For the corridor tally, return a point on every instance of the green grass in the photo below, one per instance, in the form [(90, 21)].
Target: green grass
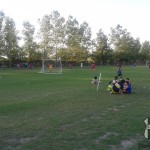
[(65, 112)]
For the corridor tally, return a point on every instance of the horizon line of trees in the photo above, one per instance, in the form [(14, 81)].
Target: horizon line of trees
[(66, 38)]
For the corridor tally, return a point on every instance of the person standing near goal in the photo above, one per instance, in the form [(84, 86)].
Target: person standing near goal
[(50, 66)]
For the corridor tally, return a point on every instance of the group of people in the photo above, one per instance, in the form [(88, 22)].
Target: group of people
[(117, 85)]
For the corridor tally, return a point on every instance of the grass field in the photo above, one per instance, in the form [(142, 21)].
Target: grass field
[(65, 112)]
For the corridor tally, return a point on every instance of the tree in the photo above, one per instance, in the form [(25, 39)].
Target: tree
[(78, 39), (73, 55), (57, 31), (126, 48), (44, 33), (85, 36), (2, 16), (72, 33), (64, 54), (11, 39), (120, 38), (134, 50), (145, 50), (102, 47), (29, 45), (51, 33)]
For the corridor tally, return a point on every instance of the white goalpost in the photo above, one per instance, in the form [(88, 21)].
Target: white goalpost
[(147, 63), (51, 66)]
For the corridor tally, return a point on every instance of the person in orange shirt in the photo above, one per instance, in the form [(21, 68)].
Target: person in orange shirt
[(50, 66)]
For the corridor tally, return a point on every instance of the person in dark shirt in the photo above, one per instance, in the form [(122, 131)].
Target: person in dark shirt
[(127, 87), (119, 72), (118, 87)]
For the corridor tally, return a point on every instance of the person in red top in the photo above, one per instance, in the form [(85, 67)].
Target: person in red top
[(93, 66)]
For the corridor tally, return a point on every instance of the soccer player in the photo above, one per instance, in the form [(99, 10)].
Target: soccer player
[(119, 72), (93, 66)]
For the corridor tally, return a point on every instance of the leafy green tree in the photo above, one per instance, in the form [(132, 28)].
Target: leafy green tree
[(72, 33), (120, 38), (65, 54), (75, 55), (52, 33), (134, 50), (43, 35), (29, 46), (57, 32), (78, 39), (145, 49), (2, 16), (78, 55), (11, 39), (85, 36), (102, 47), (126, 48)]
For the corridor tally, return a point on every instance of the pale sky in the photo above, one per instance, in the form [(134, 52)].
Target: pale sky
[(132, 15)]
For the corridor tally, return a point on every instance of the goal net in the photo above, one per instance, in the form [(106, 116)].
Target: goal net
[(147, 63), (51, 66)]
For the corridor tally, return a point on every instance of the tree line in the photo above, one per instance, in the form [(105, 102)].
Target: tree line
[(66, 38)]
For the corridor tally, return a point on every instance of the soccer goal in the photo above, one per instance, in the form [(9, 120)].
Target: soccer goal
[(147, 63), (51, 66)]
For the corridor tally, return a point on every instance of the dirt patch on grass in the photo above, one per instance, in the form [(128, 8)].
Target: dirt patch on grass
[(124, 145), (15, 141), (105, 136), (63, 128), (104, 113), (27, 139), (114, 109), (127, 144), (122, 106)]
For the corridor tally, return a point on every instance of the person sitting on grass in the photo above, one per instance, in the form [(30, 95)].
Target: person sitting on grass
[(95, 81), (118, 87), (115, 80), (109, 88), (127, 79), (127, 88)]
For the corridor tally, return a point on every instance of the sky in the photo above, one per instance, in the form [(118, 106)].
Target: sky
[(132, 15)]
